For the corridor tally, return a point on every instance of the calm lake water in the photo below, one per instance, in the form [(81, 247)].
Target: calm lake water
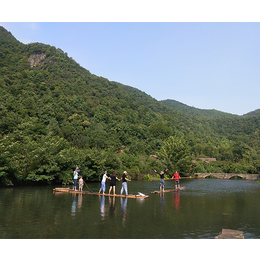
[(199, 212)]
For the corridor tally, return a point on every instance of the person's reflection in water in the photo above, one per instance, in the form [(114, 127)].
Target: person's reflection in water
[(112, 206), (162, 201), (79, 201), (102, 207), (177, 200), (123, 209), (74, 204)]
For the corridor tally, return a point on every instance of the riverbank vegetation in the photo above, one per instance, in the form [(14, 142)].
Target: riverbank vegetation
[(56, 115)]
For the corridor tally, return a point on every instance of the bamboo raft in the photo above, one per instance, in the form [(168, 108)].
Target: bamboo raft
[(170, 190), (68, 190)]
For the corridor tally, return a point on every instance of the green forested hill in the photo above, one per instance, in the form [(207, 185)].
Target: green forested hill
[(254, 113), (207, 113), (56, 115)]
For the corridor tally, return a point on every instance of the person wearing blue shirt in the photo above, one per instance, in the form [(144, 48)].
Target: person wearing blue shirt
[(75, 177)]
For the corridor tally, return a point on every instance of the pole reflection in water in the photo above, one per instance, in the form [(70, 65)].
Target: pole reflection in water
[(123, 209)]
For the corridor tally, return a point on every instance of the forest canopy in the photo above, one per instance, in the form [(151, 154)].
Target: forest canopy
[(55, 115)]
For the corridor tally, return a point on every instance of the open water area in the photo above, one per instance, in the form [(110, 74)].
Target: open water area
[(199, 212)]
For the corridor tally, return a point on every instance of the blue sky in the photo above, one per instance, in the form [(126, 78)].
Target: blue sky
[(202, 64)]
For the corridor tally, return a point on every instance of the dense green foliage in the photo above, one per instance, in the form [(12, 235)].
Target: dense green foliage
[(56, 115), (254, 113), (208, 113)]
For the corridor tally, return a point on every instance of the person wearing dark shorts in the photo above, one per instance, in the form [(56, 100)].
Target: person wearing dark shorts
[(162, 182), (113, 183), (176, 177)]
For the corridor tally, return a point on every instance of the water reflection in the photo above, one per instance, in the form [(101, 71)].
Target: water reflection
[(140, 201), (102, 207), (123, 209), (76, 204), (177, 200), (162, 201), (79, 201), (112, 207), (201, 211)]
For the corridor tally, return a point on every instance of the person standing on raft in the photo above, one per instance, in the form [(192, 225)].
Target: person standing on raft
[(75, 178), (162, 182), (80, 183), (103, 182), (113, 183), (124, 183), (176, 177)]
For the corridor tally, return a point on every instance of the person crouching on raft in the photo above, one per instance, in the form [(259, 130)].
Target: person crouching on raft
[(176, 177), (103, 182), (124, 183), (113, 183), (75, 178)]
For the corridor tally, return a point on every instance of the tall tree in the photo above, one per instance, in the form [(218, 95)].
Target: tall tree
[(176, 154)]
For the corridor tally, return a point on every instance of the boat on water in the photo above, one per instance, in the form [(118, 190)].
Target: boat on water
[(169, 190), (68, 190)]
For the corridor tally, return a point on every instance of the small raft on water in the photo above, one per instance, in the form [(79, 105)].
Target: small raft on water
[(181, 188), (68, 190)]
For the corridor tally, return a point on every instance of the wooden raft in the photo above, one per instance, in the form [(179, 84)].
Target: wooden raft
[(68, 190), (157, 192), (230, 234)]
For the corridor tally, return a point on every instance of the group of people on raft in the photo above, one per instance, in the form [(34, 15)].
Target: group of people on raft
[(113, 180)]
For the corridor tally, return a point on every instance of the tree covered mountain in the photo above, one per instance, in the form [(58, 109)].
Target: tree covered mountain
[(253, 113), (207, 113), (56, 115)]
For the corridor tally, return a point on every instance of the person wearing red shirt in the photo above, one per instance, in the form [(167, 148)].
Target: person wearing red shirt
[(176, 177)]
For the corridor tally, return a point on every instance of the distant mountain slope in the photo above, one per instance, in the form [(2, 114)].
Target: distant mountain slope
[(40, 84), (55, 114), (208, 113), (253, 113)]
